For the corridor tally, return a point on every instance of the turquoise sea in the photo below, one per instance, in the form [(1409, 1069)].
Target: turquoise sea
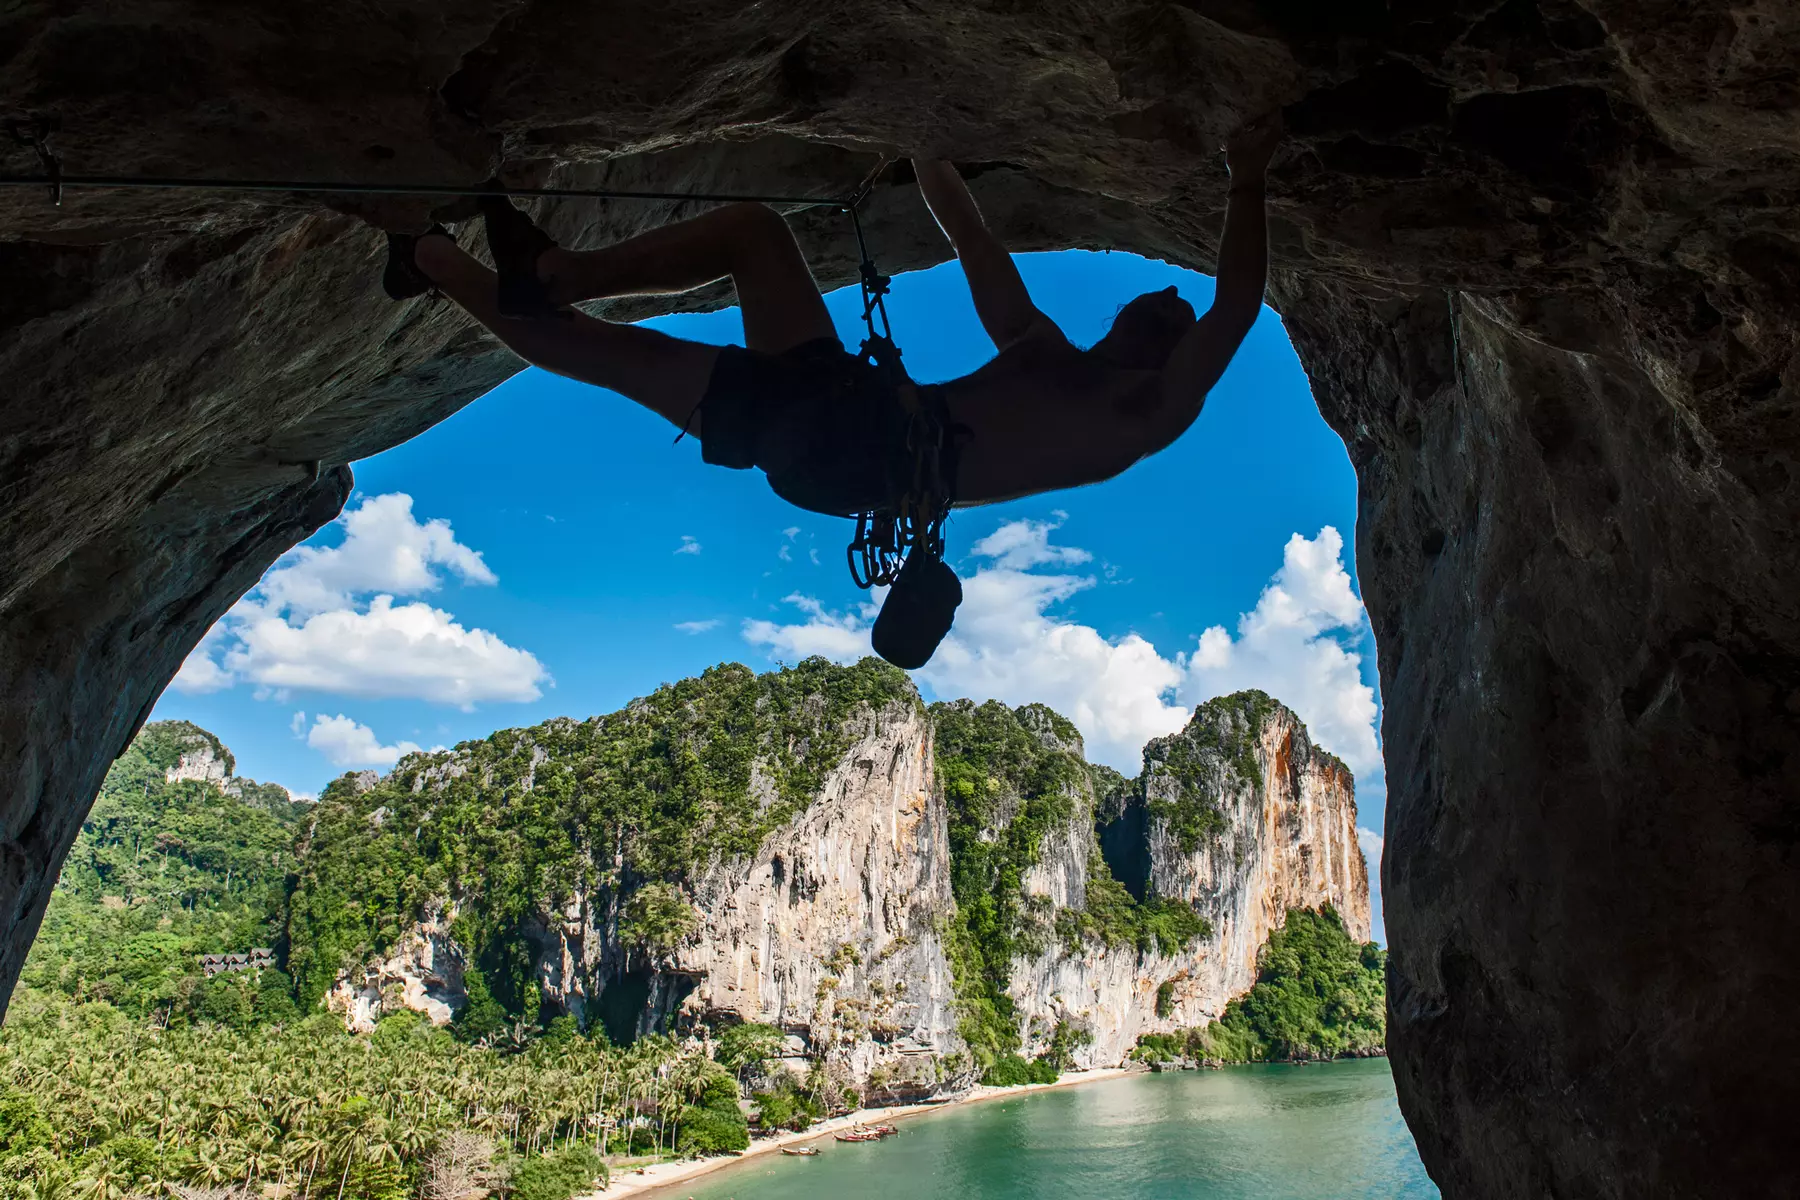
[(1330, 1132)]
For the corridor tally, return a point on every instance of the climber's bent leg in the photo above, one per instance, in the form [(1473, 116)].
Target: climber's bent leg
[(664, 374), (751, 243)]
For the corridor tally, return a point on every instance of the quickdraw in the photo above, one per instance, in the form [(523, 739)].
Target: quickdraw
[(913, 523)]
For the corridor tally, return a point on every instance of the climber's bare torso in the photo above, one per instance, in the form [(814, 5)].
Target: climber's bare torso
[(1044, 415)]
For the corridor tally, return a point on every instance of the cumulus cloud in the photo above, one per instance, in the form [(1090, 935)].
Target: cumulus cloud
[(841, 636), (201, 672), (327, 619), (1012, 643), (389, 651), (706, 626), (1018, 545), (385, 549), (344, 743), (689, 545), (1297, 645)]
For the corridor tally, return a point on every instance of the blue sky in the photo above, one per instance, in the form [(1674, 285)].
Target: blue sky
[(548, 551)]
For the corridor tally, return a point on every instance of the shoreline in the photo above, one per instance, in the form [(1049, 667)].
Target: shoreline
[(655, 1181)]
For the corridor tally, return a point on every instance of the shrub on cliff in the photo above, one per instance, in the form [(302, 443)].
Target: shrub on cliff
[(1010, 1070), (1318, 994)]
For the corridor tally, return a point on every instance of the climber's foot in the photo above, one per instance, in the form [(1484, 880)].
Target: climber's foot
[(516, 245), (402, 280)]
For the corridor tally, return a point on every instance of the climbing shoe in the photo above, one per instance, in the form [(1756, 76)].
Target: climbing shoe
[(402, 280), (917, 612), (516, 245)]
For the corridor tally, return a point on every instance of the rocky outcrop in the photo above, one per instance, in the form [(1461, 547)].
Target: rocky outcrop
[(422, 972), (1538, 259), (1285, 838), (199, 765), (831, 931), (834, 929)]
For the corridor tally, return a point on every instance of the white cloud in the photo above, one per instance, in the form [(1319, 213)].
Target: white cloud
[(385, 549), (784, 552), (791, 532), (389, 651), (298, 724), (1007, 645), (1022, 544), (688, 545), (326, 619), (843, 637), (698, 626), (1010, 643), (303, 797), (344, 743), (201, 673), (1371, 843), (1292, 645)]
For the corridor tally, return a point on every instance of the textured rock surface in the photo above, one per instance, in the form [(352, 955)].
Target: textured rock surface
[(1539, 260), (1288, 840), (423, 972), (834, 928)]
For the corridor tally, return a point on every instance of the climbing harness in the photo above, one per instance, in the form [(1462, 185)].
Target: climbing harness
[(906, 533), (913, 522)]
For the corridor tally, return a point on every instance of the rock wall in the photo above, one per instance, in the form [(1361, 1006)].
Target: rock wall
[(834, 928), (423, 972), (1288, 840), (1538, 258), (832, 932)]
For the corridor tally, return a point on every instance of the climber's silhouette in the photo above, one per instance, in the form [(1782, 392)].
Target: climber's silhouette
[(832, 432)]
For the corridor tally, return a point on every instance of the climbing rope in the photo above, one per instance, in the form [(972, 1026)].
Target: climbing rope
[(35, 133)]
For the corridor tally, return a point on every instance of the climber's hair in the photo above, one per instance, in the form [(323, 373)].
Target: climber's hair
[(1143, 337)]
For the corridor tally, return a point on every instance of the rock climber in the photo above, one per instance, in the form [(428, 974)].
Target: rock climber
[(825, 426)]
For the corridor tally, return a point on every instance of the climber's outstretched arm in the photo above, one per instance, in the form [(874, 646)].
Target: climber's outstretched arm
[(1005, 308), (1201, 357)]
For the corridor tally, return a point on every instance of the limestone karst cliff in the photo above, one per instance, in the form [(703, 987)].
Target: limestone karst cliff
[(1538, 258), (847, 919)]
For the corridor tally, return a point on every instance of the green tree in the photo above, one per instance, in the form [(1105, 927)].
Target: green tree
[(745, 1049), (715, 1124), (481, 1016)]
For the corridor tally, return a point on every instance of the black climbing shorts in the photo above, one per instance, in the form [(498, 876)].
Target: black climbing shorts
[(823, 425)]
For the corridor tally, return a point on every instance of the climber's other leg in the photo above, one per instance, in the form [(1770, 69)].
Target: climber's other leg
[(665, 374), (750, 243)]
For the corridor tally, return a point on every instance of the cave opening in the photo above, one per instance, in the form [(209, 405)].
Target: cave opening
[(622, 563)]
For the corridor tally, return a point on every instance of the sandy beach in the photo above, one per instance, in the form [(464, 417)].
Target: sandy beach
[(660, 1180)]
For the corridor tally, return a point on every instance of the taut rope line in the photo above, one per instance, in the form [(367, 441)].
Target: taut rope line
[(35, 134)]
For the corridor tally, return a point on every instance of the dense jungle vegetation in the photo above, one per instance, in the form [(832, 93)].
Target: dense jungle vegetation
[(1318, 995)]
